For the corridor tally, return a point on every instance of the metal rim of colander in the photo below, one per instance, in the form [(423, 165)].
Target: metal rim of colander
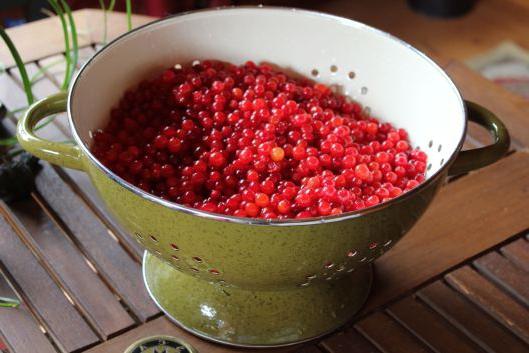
[(258, 221)]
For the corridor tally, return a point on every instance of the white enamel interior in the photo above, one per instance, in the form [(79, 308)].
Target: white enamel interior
[(396, 82)]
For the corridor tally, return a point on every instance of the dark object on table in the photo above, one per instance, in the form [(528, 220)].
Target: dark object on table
[(17, 173), (17, 177), (442, 8), (160, 344)]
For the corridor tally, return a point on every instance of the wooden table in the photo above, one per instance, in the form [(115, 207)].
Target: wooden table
[(458, 282)]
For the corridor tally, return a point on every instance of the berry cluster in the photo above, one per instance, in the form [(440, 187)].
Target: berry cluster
[(250, 141)]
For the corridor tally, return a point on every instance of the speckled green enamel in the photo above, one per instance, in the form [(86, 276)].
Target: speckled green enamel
[(259, 256), (299, 272), (250, 318)]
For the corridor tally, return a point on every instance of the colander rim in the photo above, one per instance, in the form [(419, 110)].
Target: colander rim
[(258, 221)]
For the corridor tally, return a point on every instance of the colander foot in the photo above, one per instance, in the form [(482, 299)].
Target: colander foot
[(247, 318)]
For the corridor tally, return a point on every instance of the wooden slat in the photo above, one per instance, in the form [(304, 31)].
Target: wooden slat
[(50, 38), (429, 327), (491, 299), (41, 88), (348, 341), (518, 253), (82, 185), (440, 241), (478, 326), (389, 336), (54, 68), (63, 321), (511, 109), (10, 93), (18, 327), (162, 326), (120, 270), (507, 276), (56, 71), (310, 348), (83, 285)]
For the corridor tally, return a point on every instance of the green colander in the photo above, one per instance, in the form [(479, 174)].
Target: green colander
[(252, 282)]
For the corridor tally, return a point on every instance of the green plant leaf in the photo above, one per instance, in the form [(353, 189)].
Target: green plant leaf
[(105, 17), (10, 141), (105, 21), (75, 42), (20, 65), (9, 303), (129, 14), (59, 11)]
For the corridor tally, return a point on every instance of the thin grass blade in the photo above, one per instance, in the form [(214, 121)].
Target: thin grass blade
[(129, 14), (75, 41), (10, 141), (20, 65), (59, 11), (9, 303)]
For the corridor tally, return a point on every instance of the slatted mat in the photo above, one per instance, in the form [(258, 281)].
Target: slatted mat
[(458, 282)]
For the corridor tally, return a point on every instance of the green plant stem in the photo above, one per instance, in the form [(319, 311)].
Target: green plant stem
[(21, 68), (75, 43), (129, 14), (105, 28), (105, 17), (58, 10), (10, 141), (9, 303), (111, 5)]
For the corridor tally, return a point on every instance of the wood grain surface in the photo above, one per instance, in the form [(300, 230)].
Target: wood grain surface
[(62, 320), (492, 300), (388, 335), (430, 328), (468, 319)]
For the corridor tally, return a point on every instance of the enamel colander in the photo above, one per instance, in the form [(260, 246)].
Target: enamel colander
[(259, 283)]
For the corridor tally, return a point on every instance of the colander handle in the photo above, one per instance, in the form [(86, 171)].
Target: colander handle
[(63, 154), (477, 158)]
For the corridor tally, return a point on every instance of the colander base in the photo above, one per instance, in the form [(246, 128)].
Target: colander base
[(248, 318)]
